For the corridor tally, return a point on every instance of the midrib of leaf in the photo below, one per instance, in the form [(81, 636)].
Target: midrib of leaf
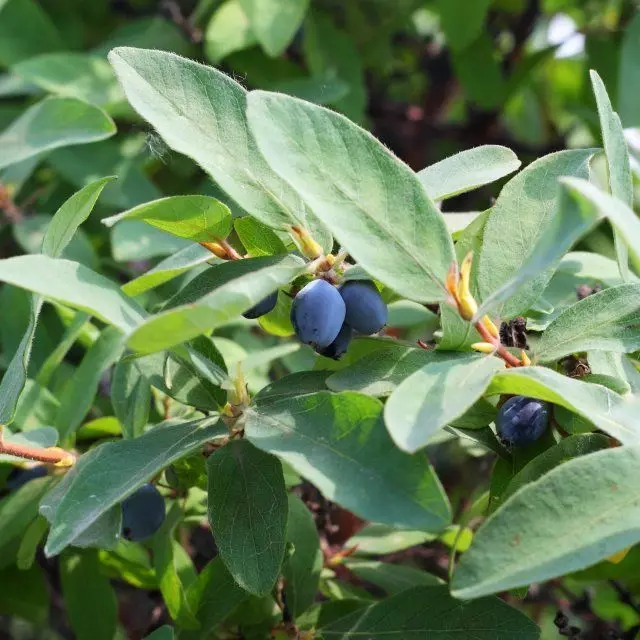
[(246, 170), (285, 430), (387, 229)]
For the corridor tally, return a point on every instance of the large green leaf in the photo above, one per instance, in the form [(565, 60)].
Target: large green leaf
[(197, 218), (75, 285), (580, 513), (53, 123), (25, 31), (615, 148), (393, 578), (254, 279), (573, 219), (274, 22), (606, 321), (90, 601), (57, 236), (431, 398), (339, 442), (372, 202), (115, 471), (200, 112), (79, 392), (524, 209), (301, 570), (228, 31), (430, 613), (591, 401), (628, 99), (248, 513), (468, 170), (172, 267)]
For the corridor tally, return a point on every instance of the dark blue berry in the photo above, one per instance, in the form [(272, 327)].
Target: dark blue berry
[(521, 420), (340, 345), (317, 314), (142, 513), (366, 311), (19, 476), (263, 307)]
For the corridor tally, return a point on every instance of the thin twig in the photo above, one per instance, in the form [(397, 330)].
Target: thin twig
[(501, 351), (52, 455), (11, 210)]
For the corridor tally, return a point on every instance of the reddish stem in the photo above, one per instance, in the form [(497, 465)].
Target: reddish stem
[(506, 355), (52, 455)]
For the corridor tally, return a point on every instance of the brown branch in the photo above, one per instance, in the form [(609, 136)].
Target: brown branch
[(52, 455)]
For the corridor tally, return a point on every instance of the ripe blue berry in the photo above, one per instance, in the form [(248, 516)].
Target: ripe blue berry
[(366, 311), (522, 420), (317, 314), (19, 477), (340, 345), (263, 307), (142, 513)]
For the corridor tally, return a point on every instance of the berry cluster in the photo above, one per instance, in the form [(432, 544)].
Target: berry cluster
[(521, 421), (326, 317)]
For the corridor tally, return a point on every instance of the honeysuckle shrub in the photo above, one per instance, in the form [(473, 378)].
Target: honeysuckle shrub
[(243, 436)]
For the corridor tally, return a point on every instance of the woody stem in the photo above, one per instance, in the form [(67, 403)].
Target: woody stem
[(52, 455), (506, 355)]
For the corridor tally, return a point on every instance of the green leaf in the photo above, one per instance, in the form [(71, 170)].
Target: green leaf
[(131, 398), (379, 210), (274, 22), (617, 365), (319, 90), (381, 539), (175, 265), (115, 471), (539, 533), (248, 513), (393, 578), (200, 112), (25, 31), (628, 100), (615, 148), (53, 123), (227, 31), (301, 571), (31, 539), (163, 633), (573, 219), (591, 401), (431, 398), (340, 444), (468, 170), (461, 21), (257, 238), (619, 214), (79, 392), (164, 562), (329, 50), (133, 240), (215, 595), (24, 594), (73, 284), (523, 211), (430, 612), (196, 218), (73, 75), (243, 283), (566, 449), (606, 321), (57, 237), (90, 601)]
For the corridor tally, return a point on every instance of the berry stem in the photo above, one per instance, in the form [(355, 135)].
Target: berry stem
[(501, 351), (222, 249)]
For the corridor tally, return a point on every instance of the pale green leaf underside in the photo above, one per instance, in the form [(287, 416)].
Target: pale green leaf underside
[(435, 396), (200, 112), (371, 202), (580, 513), (53, 123), (606, 321), (468, 170)]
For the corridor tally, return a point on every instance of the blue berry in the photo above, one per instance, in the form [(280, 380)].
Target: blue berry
[(521, 420), (317, 314), (19, 476), (263, 307), (340, 345), (366, 311), (142, 513)]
